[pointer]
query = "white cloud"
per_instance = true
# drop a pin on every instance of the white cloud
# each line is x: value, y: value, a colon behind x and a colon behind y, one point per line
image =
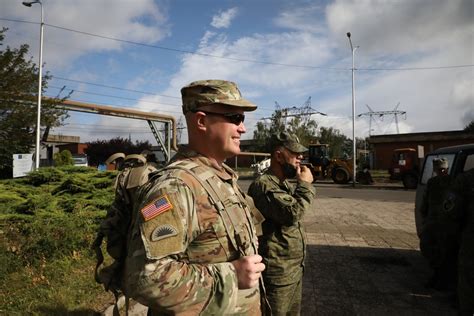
x: 303, y: 18
x: 138, y: 21
x: 224, y: 18
x: 407, y: 27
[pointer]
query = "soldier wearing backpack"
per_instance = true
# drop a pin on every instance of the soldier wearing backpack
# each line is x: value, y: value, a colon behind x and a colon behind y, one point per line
x: 192, y: 246
x: 134, y: 171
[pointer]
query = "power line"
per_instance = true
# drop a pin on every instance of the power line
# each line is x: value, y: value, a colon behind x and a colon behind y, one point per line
x: 124, y: 89
x: 116, y: 97
x: 237, y: 59
x: 113, y: 87
x: 415, y: 68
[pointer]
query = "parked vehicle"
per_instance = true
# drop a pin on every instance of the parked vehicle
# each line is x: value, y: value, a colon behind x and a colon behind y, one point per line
x: 405, y: 167
x: 322, y: 166
x: 261, y: 166
x: 80, y: 160
x: 340, y: 170
x: 460, y: 158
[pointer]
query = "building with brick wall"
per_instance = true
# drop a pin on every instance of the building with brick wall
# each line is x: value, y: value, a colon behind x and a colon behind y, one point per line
x: 382, y: 146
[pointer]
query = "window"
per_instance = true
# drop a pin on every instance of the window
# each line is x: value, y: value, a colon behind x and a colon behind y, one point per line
x: 469, y: 164
x: 428, y: 171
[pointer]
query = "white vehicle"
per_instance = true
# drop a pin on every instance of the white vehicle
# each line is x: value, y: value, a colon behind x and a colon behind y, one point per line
x: 80, y: 160
x: 261, y: 166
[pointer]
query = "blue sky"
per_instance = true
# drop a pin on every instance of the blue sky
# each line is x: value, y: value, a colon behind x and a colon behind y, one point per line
x: 418, y: 54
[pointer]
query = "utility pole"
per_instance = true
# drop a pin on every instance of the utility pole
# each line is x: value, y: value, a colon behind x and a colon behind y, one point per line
x: 354, y: 154
x: 40, y: 77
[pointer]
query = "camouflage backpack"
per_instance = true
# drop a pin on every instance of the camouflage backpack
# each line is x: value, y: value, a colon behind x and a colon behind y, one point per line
x: 115, y: 226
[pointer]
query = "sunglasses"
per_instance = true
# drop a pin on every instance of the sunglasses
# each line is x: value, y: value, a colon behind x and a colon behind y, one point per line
x: 234, y: 118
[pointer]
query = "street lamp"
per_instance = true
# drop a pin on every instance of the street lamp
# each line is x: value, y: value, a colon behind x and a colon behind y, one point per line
x: 40, y: 77
x: 353, y: 49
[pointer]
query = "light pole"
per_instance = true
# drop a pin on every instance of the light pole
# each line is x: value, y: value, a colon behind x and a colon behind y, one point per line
x: 40, y: 79
x: 353, y: 49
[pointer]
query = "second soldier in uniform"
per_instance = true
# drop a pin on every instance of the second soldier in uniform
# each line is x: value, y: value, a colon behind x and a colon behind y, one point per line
x: 283, y: 205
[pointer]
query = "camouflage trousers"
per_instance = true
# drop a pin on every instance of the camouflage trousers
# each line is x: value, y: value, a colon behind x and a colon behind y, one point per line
x: 285, y: 300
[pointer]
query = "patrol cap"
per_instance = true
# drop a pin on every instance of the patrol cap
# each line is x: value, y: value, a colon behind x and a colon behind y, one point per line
x: 207, y: 92
x: 440, y: 163
x: 288, y: 141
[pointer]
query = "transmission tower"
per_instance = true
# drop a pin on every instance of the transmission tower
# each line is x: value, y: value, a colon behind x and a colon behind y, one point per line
x: 302, y: 111
x: 395, y: 112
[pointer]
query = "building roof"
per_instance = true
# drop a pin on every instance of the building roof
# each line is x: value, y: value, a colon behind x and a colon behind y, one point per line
x: 419, y: 137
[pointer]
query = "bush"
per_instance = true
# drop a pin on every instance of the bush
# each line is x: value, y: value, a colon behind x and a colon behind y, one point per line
x: 63, y: 158
x: 46, y: 263
x: 44, y: 175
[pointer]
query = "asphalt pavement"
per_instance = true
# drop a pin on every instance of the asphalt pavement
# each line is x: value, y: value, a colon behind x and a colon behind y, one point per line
x: 363, y: 259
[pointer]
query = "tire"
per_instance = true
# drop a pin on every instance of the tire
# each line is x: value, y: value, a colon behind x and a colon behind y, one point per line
x: 340, y: 176
x: 410, y: 181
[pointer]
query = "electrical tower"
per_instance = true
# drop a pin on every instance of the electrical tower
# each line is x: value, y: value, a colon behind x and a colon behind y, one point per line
x: 303, y: 111
x: 395, y: 112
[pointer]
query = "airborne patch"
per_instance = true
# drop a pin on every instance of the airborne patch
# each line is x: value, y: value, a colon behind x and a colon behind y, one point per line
x: 163, y: 231
x: 157, y: 207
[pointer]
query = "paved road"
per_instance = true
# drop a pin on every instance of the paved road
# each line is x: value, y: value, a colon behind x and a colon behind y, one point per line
x: 363, y: 259
x: 363, y: 256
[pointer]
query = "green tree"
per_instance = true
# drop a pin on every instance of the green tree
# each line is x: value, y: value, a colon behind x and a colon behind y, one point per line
x: 98, y: 151
x: 63, y: 158
x: 18, y: 104
x: 469, y: 127
x: 339, y: 145
x: 299, y: 124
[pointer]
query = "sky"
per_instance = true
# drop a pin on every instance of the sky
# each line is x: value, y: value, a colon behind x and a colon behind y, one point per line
x: 415, y: 57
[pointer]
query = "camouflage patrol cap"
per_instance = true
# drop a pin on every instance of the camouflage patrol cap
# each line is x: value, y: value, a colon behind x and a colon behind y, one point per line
x: 288, y: 141
x: 206, y: 92
x: 440, y: 163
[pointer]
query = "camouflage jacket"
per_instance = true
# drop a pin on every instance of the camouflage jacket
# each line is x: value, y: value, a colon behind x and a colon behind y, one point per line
x: 180, y: 249
x: 283, y: 243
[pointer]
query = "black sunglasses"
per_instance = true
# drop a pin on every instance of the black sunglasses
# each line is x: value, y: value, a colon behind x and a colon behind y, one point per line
x: 234, y: 118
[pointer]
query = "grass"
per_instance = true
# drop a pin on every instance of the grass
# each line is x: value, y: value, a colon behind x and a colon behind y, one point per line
x: 48, y: 221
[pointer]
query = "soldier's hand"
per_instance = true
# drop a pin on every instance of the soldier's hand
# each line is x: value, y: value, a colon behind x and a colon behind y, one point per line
x: 303, y: 173
x: 249, y: 270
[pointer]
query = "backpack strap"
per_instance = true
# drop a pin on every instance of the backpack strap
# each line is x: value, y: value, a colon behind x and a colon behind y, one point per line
x: 220, y: 201
x: 229, y: 218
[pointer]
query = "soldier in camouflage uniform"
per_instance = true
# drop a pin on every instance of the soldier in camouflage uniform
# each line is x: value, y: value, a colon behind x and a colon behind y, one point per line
x: 439, y: 240
x: 283, y: 204
x: 460, y: 203
x: 134, y: 172
x: 193, y: 247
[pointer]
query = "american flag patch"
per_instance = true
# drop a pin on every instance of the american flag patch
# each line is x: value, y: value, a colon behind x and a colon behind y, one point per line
x: 155, y: 208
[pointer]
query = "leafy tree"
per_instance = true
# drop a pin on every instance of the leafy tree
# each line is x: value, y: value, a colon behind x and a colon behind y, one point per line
x: 98, y: 151
x: 339, y: 145
x: 18, y: 104
x: 299, y: 124
x: 469, y: 127
x: 63, y: 158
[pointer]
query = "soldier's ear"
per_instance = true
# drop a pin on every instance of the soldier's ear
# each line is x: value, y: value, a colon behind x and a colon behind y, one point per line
x: 200, y: 120
x: 279, y: 156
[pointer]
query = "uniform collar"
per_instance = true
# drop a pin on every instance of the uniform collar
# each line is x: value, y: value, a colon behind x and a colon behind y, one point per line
x: 272, y: 176
x: 224, y: 172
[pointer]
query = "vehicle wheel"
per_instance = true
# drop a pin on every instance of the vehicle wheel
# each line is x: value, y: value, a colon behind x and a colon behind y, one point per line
x: 410, y: 181
x: 340, y: 176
